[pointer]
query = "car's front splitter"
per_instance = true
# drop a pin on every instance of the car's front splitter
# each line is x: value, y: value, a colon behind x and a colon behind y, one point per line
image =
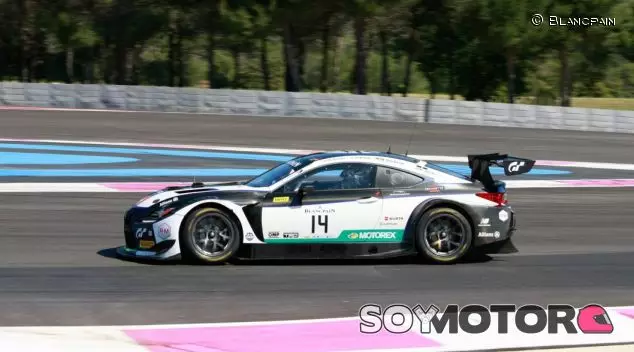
x: 136, y: 254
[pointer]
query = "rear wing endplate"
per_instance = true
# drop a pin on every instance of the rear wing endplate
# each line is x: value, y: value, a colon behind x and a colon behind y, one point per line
x: 480, y: 163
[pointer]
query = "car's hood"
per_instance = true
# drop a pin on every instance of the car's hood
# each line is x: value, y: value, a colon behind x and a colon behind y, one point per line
x: 176, y: 191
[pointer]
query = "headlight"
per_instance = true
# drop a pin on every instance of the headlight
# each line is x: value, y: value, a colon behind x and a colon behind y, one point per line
x: 165, y: 212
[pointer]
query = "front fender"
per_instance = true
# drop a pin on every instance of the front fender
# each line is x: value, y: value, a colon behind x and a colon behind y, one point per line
x: 234, y: 208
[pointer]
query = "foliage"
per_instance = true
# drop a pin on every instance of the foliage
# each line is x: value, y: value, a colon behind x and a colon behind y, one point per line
x: 476, y: 49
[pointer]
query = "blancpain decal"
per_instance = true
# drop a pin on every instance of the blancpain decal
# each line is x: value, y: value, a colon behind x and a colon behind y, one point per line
x: 503, y: 215
x: 319, y: 210
x: 290, y: 235
x: 495, y: 234
x: 484, y: 222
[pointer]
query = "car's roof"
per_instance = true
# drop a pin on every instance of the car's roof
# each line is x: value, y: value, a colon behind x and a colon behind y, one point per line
x: 343, y: 153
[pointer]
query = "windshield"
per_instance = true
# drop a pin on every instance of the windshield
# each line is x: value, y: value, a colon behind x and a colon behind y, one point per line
x: 447, y: 171
x: 279, y: 172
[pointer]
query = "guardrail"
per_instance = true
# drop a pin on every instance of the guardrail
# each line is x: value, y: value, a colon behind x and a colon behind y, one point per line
x: 328, y: 105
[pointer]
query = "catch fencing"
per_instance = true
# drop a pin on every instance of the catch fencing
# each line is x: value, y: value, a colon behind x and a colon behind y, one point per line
x: 324, y: 105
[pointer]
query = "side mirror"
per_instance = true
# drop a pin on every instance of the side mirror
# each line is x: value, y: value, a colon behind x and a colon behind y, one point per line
x: 304, y: 189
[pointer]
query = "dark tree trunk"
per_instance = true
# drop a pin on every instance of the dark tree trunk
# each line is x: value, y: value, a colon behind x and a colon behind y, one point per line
x: 25, y: 48
x: 433, y: 84
x: 510, y: 74
x: 565, y: 81
x: 121, y: 49
x: 325, y: 50
x: 70, y: 63
x: 236, y: 67
x: 264, y: 63
x: 452, y: 78
x: 292, y: 78
x: 408, y: 72
x: 386, y: 86
x: 180, y: 56
x: 211, y: 58
x: 171, y: 58
x: 136, y: 65
x: 361, y: 57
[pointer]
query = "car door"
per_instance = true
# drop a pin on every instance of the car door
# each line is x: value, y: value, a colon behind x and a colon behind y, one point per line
x: 342, y: 202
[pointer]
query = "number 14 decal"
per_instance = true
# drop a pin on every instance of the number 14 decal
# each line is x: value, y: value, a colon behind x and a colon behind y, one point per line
x: 319, y: 220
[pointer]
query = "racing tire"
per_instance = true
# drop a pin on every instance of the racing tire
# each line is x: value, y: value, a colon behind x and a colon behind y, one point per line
x: 203, y: 228
x: 446, y: 228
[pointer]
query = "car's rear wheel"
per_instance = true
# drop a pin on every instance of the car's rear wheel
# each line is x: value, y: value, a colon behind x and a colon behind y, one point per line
x: 443, y: 235
x: 210, y: 236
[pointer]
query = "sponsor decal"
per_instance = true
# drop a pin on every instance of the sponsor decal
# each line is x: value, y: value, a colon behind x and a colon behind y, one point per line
x: 320, y: 210
x: 281, y: 199
x: 146, y: 244
x: 169, y: 201
x: 274, y: 234
x: 144, y: 253
x: 485, y: 222
x: 290, y: 235
x: 495, y: 234
x: 434, y: 189
x: 515, y: 166
x: 392, y: 220
x: 250, y: 236
x: 371, y: 235
x: 165, y: 231
x: 399, y: 193
x: 503, y: 215
x: 143, y: 232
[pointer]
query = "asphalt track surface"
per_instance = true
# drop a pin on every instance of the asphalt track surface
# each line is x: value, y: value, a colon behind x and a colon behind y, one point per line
x: 57, y: 265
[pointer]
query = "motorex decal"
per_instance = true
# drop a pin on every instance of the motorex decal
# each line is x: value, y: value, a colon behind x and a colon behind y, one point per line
x: 346, y: 236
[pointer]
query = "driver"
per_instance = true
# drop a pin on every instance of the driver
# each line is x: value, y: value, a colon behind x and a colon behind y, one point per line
x: 356, y: 176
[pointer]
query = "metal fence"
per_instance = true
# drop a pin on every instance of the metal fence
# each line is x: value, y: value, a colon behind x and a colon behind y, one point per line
x: 265, y: 103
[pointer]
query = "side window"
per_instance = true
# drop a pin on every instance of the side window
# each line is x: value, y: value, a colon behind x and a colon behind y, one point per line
x: 391, y: 178
x: 335, y: 177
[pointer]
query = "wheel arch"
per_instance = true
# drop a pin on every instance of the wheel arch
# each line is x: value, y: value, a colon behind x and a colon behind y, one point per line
x: 212, y: 204
x: 412, y: 223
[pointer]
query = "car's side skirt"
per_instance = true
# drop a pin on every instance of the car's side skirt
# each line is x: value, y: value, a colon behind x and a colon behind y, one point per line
x: 327, y: 251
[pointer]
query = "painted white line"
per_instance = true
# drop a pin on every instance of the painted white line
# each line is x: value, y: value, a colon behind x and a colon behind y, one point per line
x: 168, y: 146
x: 147, y: 187
x: 54, y: 187
x: 68, y: 340
x: 177, y: 326
x: 443, y: 158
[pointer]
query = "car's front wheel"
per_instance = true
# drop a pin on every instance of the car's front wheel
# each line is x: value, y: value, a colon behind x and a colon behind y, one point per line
x: 210, y: 236
x: 443, y: 235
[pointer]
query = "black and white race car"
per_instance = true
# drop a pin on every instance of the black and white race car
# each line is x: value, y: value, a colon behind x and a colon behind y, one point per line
x: 341, y: 204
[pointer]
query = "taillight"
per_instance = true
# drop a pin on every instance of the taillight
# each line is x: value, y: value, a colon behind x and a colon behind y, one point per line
x: 499, y: 198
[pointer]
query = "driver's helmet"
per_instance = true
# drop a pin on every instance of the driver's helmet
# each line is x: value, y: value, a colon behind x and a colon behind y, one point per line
x: 356, y: 176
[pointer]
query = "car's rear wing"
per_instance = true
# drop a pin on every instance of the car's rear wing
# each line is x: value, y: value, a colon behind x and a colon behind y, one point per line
x: 480, y: 164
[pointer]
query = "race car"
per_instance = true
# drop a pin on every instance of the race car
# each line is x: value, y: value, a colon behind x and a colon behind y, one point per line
x: 337, y: 204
